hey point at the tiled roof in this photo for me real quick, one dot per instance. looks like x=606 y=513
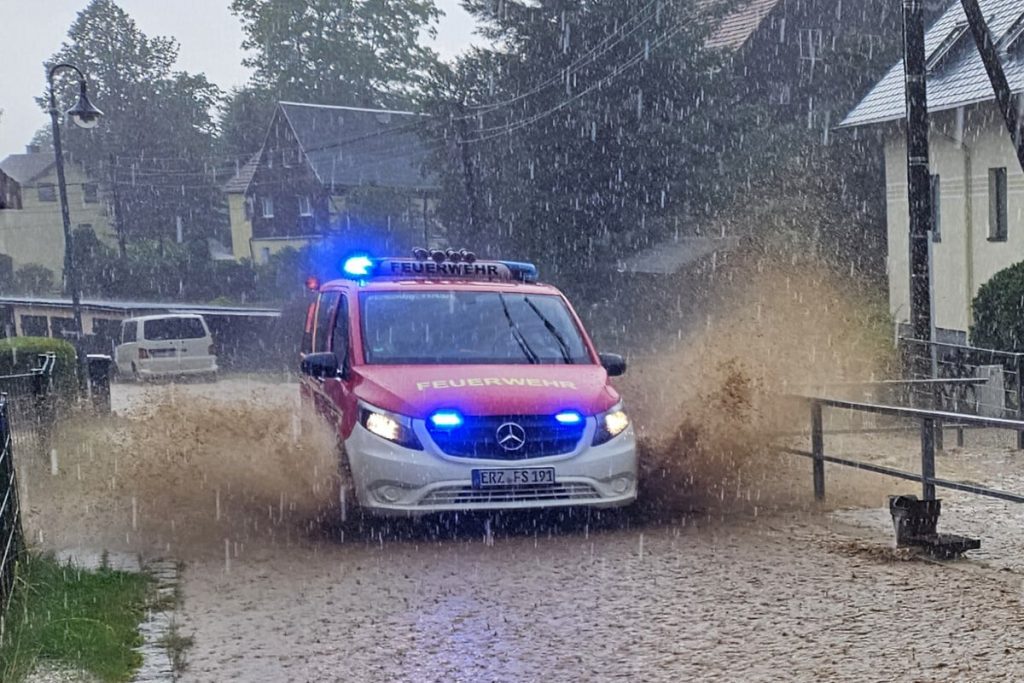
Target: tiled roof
x=25 y=168
x=960 y=78
x=240 y=183
x=738 y=25
x=349 y=146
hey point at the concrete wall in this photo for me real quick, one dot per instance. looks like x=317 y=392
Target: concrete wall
x=34 y=233
x=962 y=148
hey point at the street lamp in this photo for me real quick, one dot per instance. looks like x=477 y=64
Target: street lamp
x=85 y=115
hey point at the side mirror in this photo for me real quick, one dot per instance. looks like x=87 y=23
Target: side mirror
x=320 y=365
x=613 y=363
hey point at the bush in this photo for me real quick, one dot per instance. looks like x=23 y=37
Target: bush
x=999 y=311
x=18 y=356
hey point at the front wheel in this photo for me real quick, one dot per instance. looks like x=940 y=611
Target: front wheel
x=348 y=505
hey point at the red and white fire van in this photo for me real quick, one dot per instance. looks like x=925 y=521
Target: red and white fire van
x=463 y=384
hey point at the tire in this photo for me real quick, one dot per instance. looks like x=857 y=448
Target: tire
x=348 y=510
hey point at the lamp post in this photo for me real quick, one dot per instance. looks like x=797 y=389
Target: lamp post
x=85 y=115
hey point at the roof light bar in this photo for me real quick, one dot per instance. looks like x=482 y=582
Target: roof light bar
x=437 y=264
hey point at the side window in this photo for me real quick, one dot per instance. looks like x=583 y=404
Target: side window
x=324 y=308
x=340 y=343
x=997 y=218
x=129 y=329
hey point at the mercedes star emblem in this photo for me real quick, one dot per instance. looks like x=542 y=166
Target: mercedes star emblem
x=510 y=436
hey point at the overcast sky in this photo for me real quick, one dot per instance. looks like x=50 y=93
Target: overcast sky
x=210 y=38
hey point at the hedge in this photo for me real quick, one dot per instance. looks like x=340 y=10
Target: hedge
x=18 y=356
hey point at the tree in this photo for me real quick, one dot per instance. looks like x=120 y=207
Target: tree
x=154 y=141
x=349 y=52
x=592 y=146
x=999 y=311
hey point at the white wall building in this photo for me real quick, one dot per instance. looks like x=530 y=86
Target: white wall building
x=977 y=182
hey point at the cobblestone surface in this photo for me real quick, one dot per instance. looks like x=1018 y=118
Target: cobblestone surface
x=767 y=599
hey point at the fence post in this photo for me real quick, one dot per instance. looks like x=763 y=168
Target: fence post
x=1020 y=398
x=818 y=450
x=927 y=458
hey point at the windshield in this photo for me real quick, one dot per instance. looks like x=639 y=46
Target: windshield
x=447 y=327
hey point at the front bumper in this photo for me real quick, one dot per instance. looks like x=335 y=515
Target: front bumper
x=389 y=479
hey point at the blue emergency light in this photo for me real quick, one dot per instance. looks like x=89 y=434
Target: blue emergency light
x=568 y=417
x=359 y=265
x=446 y=419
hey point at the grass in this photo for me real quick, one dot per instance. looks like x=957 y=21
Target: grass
x=83 y=620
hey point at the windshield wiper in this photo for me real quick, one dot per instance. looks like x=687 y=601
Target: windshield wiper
x=563 y=346
x=517 y=333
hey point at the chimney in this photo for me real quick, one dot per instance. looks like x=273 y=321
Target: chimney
x=33 y=149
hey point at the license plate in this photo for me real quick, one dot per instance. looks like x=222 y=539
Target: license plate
x=513 y=476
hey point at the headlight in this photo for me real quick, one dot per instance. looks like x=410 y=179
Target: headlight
x=610 y=424
x=390 y=426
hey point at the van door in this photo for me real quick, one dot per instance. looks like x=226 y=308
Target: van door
x=126 y=350
x=325 y=308
x=160 y=341
x=195 y=346
x=338 y=389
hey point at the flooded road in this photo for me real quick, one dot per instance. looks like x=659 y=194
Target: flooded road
x=767 y=599
x=273 y=591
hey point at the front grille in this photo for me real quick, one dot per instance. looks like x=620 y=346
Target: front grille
x=477 y=437
x=462 y=495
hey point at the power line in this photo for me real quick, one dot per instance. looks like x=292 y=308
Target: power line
x=589 y=57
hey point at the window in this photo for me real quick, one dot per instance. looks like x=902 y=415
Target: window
x=34 y=326
x=268 y=206
x=936 y=208
x=340 y=343
x=250 y=207
x=305 y=206
x=128 y=331
x=90 y=193
x=83 y=227
x=47 y=192
x=163 y=329
x=264 y=255
x=997 y=204
x=63 y=328
x=778 y=93
x=945 y=48
x=325 y=307
x=811 y=44
x=459 y=327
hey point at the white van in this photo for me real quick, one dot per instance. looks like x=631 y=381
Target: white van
x=161 y=345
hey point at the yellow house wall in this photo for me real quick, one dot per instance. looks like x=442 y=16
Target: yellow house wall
x=34 y=234
x=241 y=227
x=965 y=258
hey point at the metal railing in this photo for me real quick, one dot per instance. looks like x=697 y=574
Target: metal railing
x=32 y=403
x=927 y=419
x=11 y=539
x=1001 y=395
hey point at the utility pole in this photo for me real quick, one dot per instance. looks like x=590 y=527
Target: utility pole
x=467 y=171
x=122 y=244
x=918 y=183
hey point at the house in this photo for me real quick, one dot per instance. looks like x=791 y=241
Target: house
x=31 y=227
x=806 y=60
x=977 y=184
x=346 y=173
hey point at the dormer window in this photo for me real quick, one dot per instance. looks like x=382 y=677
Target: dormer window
x=937 y=57
x=1012 y=39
